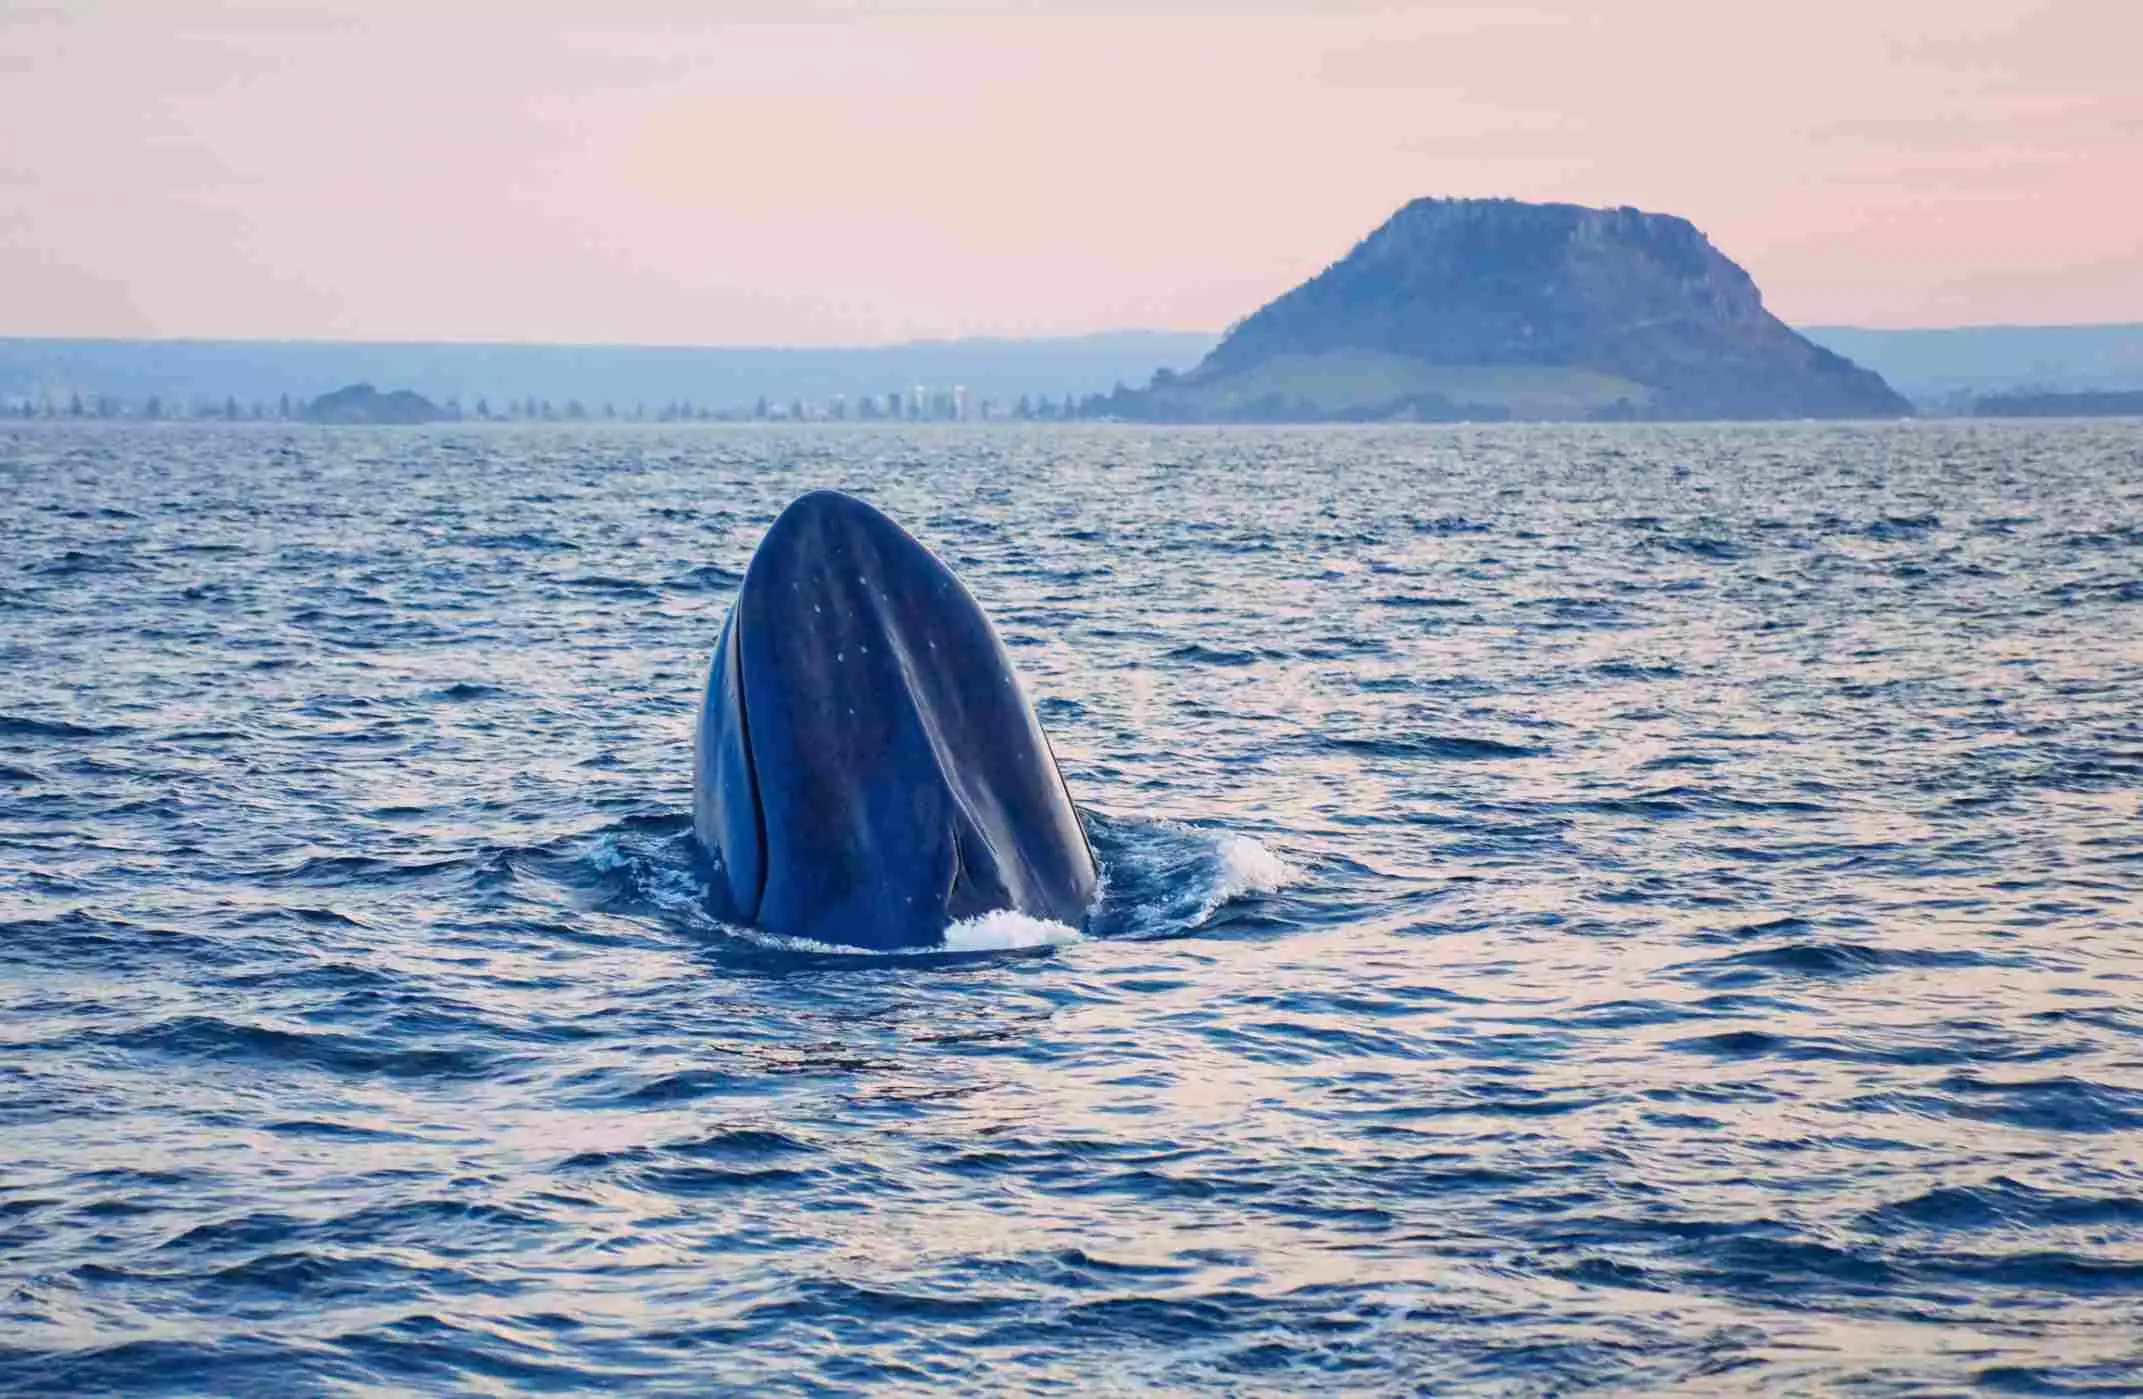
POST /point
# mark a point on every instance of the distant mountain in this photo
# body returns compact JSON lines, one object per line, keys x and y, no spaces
{"x":2099,"y":404}
{"x":361,"y":403}
{"x":1492,"y":308}
{"x":183,"y":372}
{"x":1950,"y":367}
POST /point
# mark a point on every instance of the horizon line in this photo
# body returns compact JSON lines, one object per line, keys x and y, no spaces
{"x":920,"y":342}
{"x":477,"y":343}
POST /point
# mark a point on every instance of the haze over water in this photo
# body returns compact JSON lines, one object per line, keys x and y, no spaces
{"x":1589,"y":908}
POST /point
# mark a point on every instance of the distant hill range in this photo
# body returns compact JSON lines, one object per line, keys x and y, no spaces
{"x":1951,"y":368}
{"x":2060,"y":405}
{"x":1493,"y":309}
{"x":206,"y":373}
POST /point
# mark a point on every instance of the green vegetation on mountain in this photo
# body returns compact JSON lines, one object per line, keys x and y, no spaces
{"x":1374,"y":385}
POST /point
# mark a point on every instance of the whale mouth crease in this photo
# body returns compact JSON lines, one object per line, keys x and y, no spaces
{"x":751,"y":772}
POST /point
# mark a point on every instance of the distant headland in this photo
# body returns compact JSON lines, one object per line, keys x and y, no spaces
{"x":1489,"y":309}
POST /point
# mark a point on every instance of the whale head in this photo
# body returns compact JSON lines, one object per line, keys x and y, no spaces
{"x":867,"y":770}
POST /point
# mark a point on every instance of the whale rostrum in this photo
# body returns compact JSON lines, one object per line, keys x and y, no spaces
{"x":867,"y":770}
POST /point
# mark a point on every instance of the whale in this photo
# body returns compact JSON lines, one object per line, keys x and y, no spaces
{"x":867,"y":771}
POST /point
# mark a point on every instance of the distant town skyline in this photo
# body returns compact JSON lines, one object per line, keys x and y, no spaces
{"x":919,"y":403}
{"x":829,"y":174}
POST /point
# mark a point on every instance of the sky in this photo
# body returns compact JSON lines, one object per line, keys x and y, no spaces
{"x":672,"y":172}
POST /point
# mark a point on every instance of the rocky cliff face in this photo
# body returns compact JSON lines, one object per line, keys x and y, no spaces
{"x":1463,"y":286}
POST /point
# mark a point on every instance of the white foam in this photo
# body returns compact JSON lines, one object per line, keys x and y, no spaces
{"x":1247,"y":867}
{"x":676,"y":888}
{"x":1003,"y":929}
{"x":1243,"y":866}
{"x":775,"y":942}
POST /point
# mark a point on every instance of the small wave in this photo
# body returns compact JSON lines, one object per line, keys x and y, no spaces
{"x":2003,"y":1203}
{"x":333,"y":1131}
{"x":707,"y":578}
{"x":522,"y":540}
{"x":605,"y":583}
{"x":357,"y":869}
{"x":13,"y":726}
{"x":1005,"y":930}
{"x":214,"y":1038}
{"x":1199,"y":654}
{"x":1902,"y":526}
{"x":1451,"y":746}
{"x":2125,"y":590}
{"x":1834,"y":959}
{"x":1419,"y":600}
{"x":75,"y":562}
{"x":2064,"y":1103}
{"x":1678,"y":760}
{"x":79,"y":939}
{"x":1164,"y":879}
{"x":1247,"y":867}
{"x":1002,"y":930}
{"x":1636,"y":670}
{"x":667,"y":878}
{"x":1703,"y":547}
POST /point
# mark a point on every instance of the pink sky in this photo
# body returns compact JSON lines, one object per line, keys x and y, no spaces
{"x":656,"y":171}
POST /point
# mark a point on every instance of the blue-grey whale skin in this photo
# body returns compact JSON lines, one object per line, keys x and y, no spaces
{"x":866,"y":770}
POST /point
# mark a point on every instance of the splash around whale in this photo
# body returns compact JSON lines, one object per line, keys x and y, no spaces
{"x":866,"y":769}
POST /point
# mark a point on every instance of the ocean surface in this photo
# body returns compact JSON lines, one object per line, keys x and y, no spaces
{"x":1629,"y":909}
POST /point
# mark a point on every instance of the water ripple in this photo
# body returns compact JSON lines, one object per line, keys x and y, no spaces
{"x":1636,"y":909}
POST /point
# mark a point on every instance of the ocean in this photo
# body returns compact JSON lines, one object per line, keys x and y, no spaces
{"x":1626,"y":909}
